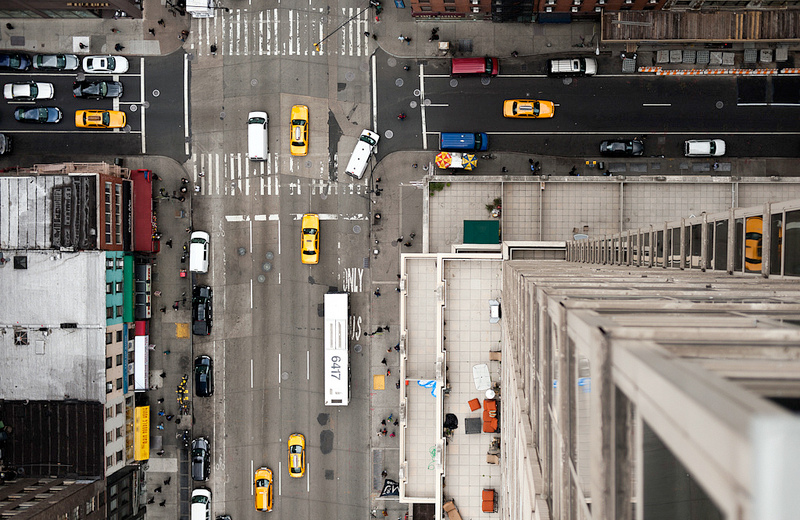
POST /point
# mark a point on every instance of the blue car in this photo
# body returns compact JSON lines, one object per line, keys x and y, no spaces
{"x":38,"y":114}
{"x":15,"y":62}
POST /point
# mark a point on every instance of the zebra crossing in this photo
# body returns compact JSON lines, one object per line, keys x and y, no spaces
{"x":283,"y":32}
{"x":235,"y":175}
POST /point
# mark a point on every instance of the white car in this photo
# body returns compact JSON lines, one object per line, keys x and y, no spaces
{"x":704,"y":148}
{"x":28,"y":91}
{"x":111,"y":64}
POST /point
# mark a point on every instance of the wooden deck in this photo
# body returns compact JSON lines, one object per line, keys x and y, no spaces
{"x":718,"y":26}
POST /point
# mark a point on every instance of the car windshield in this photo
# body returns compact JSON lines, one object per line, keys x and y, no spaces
{"x":256,"y":120}
{"x":198,"y":454}
{"x":309,"y":231}
{"x":100,"y":88}
{"x":106,"y":118}
{"x":199,"y":499}
{"x":262,"y":482}
{"x":712,"y":147}
{"x":295,"y":448}
{"x":14,"y":62}
{"x":34,"y":90}
{"x":111,"y":63}
{"x":367,"y":139}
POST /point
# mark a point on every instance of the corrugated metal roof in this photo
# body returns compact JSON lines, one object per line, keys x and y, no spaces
{"x":698,"y":26}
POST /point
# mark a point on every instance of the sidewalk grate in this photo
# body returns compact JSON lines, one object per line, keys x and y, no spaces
{"x":727,"y":58}
{"x":702,"y":57}
{"x":676,"y":56}
{"x":765,"y":56}
{"x":465,"y":45}
{"x":185,"y":482}
{"x":662,"y":56}
{"x":366,"y":262}
{"x":689,"y":57}
{"x":750,"y":55}
{"x":715,"y":58}
{"x":628,"y":65}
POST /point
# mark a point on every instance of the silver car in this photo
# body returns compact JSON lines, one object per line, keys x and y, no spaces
{"x":28,"y":91}
{"x":55,"y":62}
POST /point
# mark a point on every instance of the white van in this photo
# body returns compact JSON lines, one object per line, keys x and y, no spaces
{"x":572,"y":67}
{"x":201,"y":504}
{"x":198,"y":252}
{"x":358,"y":161}
{"x":257,"y":147}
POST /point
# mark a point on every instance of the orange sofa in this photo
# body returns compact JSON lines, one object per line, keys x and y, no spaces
{"x":490,"y":416}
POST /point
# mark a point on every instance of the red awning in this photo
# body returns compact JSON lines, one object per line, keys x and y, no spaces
{"x":143,"y":226}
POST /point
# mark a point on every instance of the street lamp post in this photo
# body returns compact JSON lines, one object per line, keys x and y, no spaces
{"x":316,"y":45}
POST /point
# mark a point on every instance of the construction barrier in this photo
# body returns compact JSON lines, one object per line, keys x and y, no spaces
{"x":716,"y":72}
{"x":790,"y":71}
{"x":649,"y":69}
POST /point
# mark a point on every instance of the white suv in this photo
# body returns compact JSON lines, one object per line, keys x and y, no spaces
{"x":704,"y":148}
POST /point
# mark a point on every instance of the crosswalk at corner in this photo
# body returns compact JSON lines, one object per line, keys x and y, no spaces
{"x":235,"y":175}
{"x":283,"y":32}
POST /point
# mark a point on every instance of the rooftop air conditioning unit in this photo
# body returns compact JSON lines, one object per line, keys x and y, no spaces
{"x":597,"y":9}
{"x":628,"y":1}
{"x":576,"y":2}
{"x":475,"y":2}
{"x":574,"y":9}
{"x":548,"y":9}
{"x":476,"y":9}
{"x":601,"y":2}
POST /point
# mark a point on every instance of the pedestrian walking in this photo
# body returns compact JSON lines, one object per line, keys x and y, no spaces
{"x":157,"y":293}
{"x":197,"y":188}
{"x":157,"y":490}
{"x":408,"y":40}
{"x":377,"y":292}
{"x":169,"y":243}
{"x":151,"y":500}
{"x":160,"y":400}
{"x":397,"y":385}
{"x":118,"y":47}
{"x":367,"y":34}
{"x":385,"y":512}
{"x":388,"y":372}
{"x":412,"y":235}
{"x":401,"y":38}
{"x":114,"y":30}
{"x":514,"y":54}
{"x":397,"y":289}
{"x":716,"y":166}
{"x":82,"y":45}
{"x":384,"y":474}
{"x":407,"y":244}
{"x":163,"y":309}
{"x":9,"y":27}
{"x":201,"y":174}
{"x":184,"y":34}
{"x":391,"y":434}
{"x":378,"y":330}
{"x":166,"y":352}
{"x":397,"y":347}
{"x":176,"y":305}
{"x":162,"y":23}
{"x":170,"y":417}
{"x":384,"y":362}
{"x":152,"y":31}
{"x":160,"y":426}
{"x":572,"y":171}
{"x":167,"y":480}
{"x":163,"y":503}
{"x":160,"y":453}
{"x":397,"y":421}
{"x":213,"y":49}
{"x":391,"y":416}
{"x":162,"y":413}
{"x":400,"y":239}
{"x":163,"y":375}
{"x":386,"y":328}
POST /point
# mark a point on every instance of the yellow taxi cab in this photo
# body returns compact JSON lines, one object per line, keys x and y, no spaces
{"x":100,"y":119}
{"x":299,"y":130}
{"x":263,"y":483}
{"x":297,"y":455}
{"x":528,"y":108}
{"x":309,"y":239}
{"x":752,"y":243}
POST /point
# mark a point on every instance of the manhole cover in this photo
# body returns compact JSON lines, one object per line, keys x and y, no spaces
{"x":242,"y":251}
{"x":485,"y":80}
{"x":261,"y":278}
{"x":357,"y":348}
{"x":146,"y":104}
{"x":127,"y":129}
{"x":454,"y":83}
{"x":426,"y":102}
{"x":349,"y":76}
{"x":364,"y":67}
{"x":399,"y":82}
{"x":134,"y":108}
{"x":413,"y":104}
{"x":417,"y":92}
{"x":270,"y":255}
{"x":388,"y":134}
{"x":284,"y":375}
{"x":222,"y":115}
{"x":156,"y":93}
{"x":309,"y":164}
{"x":567,"y":81}
{"x":267,"y":266}
{"x":392,"y":62}
{"x":720,"y":104}
{"x":253,"y":82}
{"x":328,"y":474}
{"x":356,"y":229}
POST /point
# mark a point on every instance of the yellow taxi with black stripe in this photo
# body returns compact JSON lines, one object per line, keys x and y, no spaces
{"x":299,"y":130}
{"x":309,"y":239}
{"x":263,"y":489}
{"x":528,"y":108}
{"x":297,"y":455}
{"x":100,"y":119}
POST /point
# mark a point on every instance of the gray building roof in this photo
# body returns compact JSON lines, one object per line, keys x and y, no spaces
{"x":53,"y":322}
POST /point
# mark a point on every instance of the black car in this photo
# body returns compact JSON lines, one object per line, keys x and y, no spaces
{"x":15,"y":62}
{"x":201,"y":459}
{"x":622,"y":148}
{"x":97,"y":89}
{"x":204,"y":376}
{"x":201,"y":310}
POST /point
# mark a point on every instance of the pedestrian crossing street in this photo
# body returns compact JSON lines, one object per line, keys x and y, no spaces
{"x":235,"y":175}
{"x":283,"y":32}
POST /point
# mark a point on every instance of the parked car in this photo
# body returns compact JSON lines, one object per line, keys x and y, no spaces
{"x":622,"y":148}
{"x":201,"y":459}
{"x":704,"y":148}
{"x":202,"y":310}
{"x":55,"y":62}
{"x":28,"y":91}
{"x":262,"y":481}
{"x":309,"y":239}
{"x":297,"y":455}
{"x":15,"y":62}
{"x":5,"y":144}
{"x":204,"y":376}
{"x":109,"y":64}
{"x":201,"y":504}
{"x":100,"y":119}
{"x":97,"y":89}
{"x":754,"y":227}
{"x":533,"y":108}
{"x":299,"y":130}
{"x":38,"y":114}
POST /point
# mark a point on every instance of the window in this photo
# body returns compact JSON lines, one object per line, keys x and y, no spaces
{"x":120,"y":263}
{"x":120,"y":457}
{"x":21,"y":337}
{"x":449,"y":9}
{"x":109,"y":461}
{"x":90,"y":506}
{"x":119,"y":310}
{"x":119,"y":336}
{"x":109,"y":338}
{"x":109,"y":363}
{"x":118,"y":287}
{"x":109,"y":387}
{"x":109,"y":263}
{"x":108,"y":215}
{"x":110,"y":288}
{"x":119,"y":432}
{"x":119,"y":359}
{"x":109,"y":437}
{"x":118,"y":213}
{"x":119,"y":405}
{"x":425,"y":8}
{"x":109,"y":312}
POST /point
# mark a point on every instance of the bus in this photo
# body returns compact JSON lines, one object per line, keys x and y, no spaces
{"x":337,"y":354}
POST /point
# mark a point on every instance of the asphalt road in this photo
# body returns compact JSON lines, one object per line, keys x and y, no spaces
{"x":152,"y":101}
{"x":747,"y":112}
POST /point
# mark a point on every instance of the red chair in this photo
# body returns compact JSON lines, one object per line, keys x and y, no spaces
{"x":489,"y":504}
{"x":474,"y":404}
